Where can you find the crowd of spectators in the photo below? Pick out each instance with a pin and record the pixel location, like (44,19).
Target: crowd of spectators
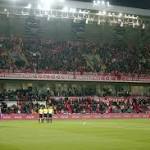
(29,101)
(43,95)
(81,105)
(39,55)
(42,55)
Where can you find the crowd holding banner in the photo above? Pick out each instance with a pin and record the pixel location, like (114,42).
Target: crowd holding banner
(76,116)
(75,77)
(103,99)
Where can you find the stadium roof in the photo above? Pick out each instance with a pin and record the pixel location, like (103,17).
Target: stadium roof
(145,4)
(80,5)
(129,10)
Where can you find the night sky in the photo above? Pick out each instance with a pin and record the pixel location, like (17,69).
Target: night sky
(145,4)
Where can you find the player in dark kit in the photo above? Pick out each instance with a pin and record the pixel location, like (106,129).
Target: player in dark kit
(41,112)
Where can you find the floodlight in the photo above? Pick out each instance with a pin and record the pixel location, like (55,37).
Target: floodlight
(108,4)
(39,7)
(65,9)
(103,2)
(94,2)
(28,6)
(72,10)
(45,4)
(120,15)
(104,12)
(5,10)
(98,2)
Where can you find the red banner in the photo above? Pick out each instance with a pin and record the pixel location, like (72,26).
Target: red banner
(102,99)
(75,116)
(76,77)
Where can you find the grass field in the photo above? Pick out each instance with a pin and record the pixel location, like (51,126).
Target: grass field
(75,135)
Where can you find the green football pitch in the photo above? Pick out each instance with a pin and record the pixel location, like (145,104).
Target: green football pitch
(76,135)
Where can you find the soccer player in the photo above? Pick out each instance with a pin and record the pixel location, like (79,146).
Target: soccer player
(41,112)
(45,113)
(50,114)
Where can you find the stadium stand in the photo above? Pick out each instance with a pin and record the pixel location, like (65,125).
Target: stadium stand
(37,45)
(82,105)
(19,55)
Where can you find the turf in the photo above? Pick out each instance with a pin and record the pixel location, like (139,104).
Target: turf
(75,135)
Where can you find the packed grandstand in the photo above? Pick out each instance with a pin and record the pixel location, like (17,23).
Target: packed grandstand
(109,44)
(42,56)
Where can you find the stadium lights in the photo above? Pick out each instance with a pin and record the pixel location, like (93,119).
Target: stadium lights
(65,9)
(46,4)
(120,15)
(99,17)
(83,11)
(110,14)
(72,10)
(5,10)
(101,3)
(39,7)
(102,13)
(28,6)
(108,4)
